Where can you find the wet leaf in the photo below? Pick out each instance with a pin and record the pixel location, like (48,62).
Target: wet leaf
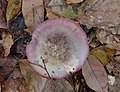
(74,1)
(6,42)
(13,8)
(103,54)
(95,75)
(3,23)
(33,12)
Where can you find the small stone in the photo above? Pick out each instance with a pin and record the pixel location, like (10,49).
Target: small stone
(111,80)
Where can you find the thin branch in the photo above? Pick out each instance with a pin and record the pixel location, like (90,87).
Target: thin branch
(45,67)
(37,65)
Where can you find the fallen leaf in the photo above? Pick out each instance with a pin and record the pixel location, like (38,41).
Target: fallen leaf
(6,42)
(57,6)
(87,4)
(13,8)
(10,85)
(92,40)
(21,39)
(107,36)
(17,23)
(51,14)
(95,75)
(34,81)
(101,35)
(113,68)
(46,2)
(74,1)
(33,13)
(103,54)
(15,83)
(3,23)
(100,13)
(37,83)
(114,46)
(60,9)
(56,2)
(68,13)
(58,86)
(116,86)
(117,56)
(7,66)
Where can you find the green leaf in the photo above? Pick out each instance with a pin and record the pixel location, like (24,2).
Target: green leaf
(69,13)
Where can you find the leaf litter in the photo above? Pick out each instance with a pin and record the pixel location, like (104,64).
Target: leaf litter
(95,74)
(99,18)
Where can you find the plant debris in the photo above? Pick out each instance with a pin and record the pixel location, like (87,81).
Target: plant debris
(100,19)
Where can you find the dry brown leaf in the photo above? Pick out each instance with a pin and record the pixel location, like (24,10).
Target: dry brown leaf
(116,86)
(35,82)
(58,86)
(101,35)
(73,1)
(3,23)
(110,37)
(33,12)
(114,46)
(51,14)
(15,83)
(13,8)
(7,65)
(117,56)
(56,2)
(95,75)
(103,54)
(6,42)
(10,85)
(113,68)
(46,2)
(101,13)
(57,6)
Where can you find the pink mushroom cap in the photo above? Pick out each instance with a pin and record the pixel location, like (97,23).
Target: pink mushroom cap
(60,45)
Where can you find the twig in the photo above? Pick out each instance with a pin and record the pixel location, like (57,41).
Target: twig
(45,67)
(37,65)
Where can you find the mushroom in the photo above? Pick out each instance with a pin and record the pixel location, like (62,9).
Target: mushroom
(58,47)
